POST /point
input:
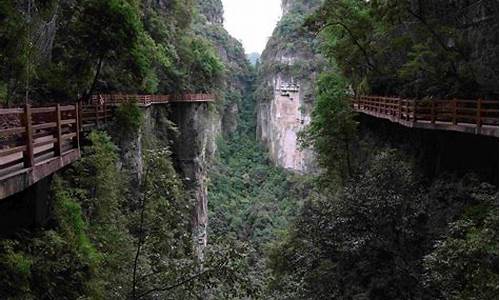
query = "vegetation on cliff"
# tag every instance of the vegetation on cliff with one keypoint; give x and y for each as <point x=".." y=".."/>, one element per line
<point x="413" y="48"/>
<point x="60" y="50"/>
<point x="114" y="235"/>
<point x="370" y="225"/>
<point x="380" y="228"/>
<point x="291" y="52"/>
<point x="237" y="70"/>
<point x="251" y="201"/>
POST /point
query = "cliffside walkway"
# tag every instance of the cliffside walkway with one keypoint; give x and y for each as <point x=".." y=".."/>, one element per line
<point x="470" y="116"/>
<point x="36" y="142"/>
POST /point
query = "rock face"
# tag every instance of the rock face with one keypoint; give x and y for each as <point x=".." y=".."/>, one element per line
<point x="285" y="92"/>
<point x="198" y="124"/>
<point x="194" y="149"/>
<point x="478" y="24"/>
<point x="209" y="24"/>
<point x="279" y="123"/>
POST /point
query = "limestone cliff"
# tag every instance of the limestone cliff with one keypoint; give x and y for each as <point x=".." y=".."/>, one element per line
<point x="197" y="125"/>
<point x="285" y="93"/>
<point x="209" y="24"/>
<point x="190" y="131"/>
<point x="194" y="148"/>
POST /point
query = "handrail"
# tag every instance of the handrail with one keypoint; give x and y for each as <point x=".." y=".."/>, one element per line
<point x="37" y="141"/>
<point x="114" y="99"/>
<point x="30" y="127"/>
<point x="438" y="113"/>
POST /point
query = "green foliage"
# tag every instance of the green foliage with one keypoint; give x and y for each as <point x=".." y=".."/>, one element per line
<point x="247" y="197"/>
<point x="203" y="64"/>
<point x="384" y="235"/>
<point x="129" y="117"/>
<point x="250" y="204"/>
<point x="33" y="264"/>
<point x="69" y="217"/>
<point x="364" y="241"/>
<point x="464" y="264"/>
<point x="16" y="269"/>
<point x="406" y="48"/>
<point x="332" y="129"/>
<point x="69" y="49"/>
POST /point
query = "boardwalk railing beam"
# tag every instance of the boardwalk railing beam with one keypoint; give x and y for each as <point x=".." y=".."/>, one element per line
<point x="474" y="116"/>
<point x="478" y="113"/>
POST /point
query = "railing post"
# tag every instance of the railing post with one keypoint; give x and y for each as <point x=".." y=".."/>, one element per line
<point x="58" y="144"/>
<point x="30" y="157"/>
<point x="454" y="111"/>
<point x="400" y="110"/>
<point x="104" y="110"/>
<point x="414" y="110"/>
<point x="478" y="113"/>
<point x="78" y="114"/>
<point x="77" y="124"/>
<point x="433" y="111"/>
<point x="97" y="114"/>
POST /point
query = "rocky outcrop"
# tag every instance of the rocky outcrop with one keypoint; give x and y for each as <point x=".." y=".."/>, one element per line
<point x="212" y="10"/>
<point x="194" y="149"/>
<point x="476" y="23"/>
<point x="280" y="122"/>
<point x="285" y="93"/>
<point x="190" y="131"/>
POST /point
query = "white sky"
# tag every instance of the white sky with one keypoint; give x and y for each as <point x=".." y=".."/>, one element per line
<point x="251" y="21"/>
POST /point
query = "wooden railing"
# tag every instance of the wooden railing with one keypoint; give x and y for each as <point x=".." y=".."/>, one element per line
<point x="146" y="100"/>
<point x="474" y="116"/>
<point x="37" y="141"/>
<point x="95" y="114"/>
<point x="38" y="134"/>
<point x="100" y="108"/>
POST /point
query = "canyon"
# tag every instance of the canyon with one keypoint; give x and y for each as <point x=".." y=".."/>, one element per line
<point x="295" y="181"/>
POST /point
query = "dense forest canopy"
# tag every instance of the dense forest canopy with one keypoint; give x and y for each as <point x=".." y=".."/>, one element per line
<point x="381" y="228"/>
<point x="114" y="233"/>
<point x="63" y="50"/>
<point x="369" y="223"/>
<point x="413" y="48"/>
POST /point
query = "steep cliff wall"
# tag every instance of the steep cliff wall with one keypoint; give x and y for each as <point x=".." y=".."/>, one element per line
<point x="190" y="131"/>
<point x="196" y="125"/>
<point x="477" y="34"/>
<point x="285" y="93"/>
<point x="194" y="149"/>
<point x="238" y="74"/>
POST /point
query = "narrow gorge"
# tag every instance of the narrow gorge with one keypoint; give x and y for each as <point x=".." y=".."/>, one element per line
<point x="157" y="149"/>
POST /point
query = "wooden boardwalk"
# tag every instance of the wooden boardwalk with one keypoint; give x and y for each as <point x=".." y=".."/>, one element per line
<point x="470" y="116"/>
<point x="35" y="142"/>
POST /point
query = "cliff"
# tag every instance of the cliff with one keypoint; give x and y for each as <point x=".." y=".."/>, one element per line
<point x="285" y="93"/>
<point x="194" y="149"/>
<point x="238" y="72"/>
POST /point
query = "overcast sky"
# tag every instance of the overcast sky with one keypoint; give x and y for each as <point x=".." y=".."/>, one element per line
<point x="251" y="21"/>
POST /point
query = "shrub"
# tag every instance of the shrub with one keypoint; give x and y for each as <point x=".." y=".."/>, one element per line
<point x="129" y="117"/>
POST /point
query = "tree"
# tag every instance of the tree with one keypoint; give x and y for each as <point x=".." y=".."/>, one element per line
<point x="363" y="242"/>
<point x="464" y="262"/>
<point x="409" y="48"/>
<point x="332" y="129"/>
